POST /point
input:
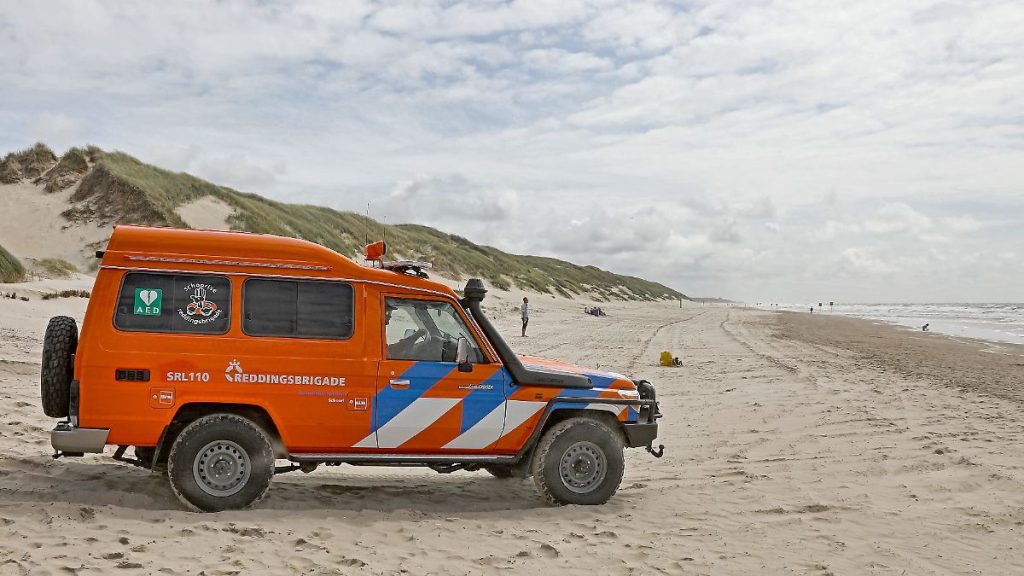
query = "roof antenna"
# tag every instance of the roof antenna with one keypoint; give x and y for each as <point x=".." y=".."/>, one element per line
<point x="374" y="253"/>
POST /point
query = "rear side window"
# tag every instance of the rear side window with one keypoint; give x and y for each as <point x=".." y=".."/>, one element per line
<point x="176" y="303"/>
<point x="297" y="309"/>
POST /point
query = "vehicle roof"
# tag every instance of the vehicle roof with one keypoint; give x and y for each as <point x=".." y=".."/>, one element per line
<point x="158" y="248"/>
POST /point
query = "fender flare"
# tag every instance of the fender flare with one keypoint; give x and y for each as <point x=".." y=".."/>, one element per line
<point x="568" y="403"/>
<point x="264" y="418"/>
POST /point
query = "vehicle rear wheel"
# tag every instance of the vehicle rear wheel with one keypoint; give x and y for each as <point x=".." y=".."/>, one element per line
<point x="579" y="461"/>
<point x="221" y="462"/>
<point x="59" y="345"/>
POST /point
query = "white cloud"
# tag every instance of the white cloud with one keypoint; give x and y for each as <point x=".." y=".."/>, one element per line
<point x="963" y="224"/>
<point x="451" y="200"/>
<point x="748" y="148"/>
<point x="832" y="229"/>
<point x="238" y="170"/>
<point x="859" y="260"/>
<point x="898" y="218"/>
<point x="59" y="130"/>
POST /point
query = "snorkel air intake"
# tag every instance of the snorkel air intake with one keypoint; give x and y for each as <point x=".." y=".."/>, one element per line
<point x="473" y="295"/>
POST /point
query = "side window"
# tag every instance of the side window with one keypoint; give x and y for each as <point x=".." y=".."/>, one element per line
<point x="176" y="303"/>
<point x="426" y="331"/>
<point x="297" y="308"/>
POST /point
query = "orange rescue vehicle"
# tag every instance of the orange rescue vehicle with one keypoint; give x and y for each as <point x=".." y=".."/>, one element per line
<point x="213" y="355"/>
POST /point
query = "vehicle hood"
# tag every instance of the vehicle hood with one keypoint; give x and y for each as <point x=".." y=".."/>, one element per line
<point x="599" y="378"/>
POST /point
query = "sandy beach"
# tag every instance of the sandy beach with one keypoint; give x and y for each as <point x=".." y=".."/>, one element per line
<point x="793" y="445"/>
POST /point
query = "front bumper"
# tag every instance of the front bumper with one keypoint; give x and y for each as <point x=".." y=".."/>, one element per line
<point x="70" y="440"/>
<point x="645" y="430"/>
<point x="640" y="434"/>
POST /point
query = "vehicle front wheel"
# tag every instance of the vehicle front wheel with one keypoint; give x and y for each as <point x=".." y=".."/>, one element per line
<point x="579" y="461"/>
<point x="221" y="462"/>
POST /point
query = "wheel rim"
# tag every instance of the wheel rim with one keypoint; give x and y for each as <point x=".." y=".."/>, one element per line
<point x="221" y="468"/>
<point x="583" y="467"/>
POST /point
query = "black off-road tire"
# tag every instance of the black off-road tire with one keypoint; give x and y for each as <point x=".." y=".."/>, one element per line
<point x="592" y="441"/>
<point x="59" y="345"/>
<point x="499" y="470"/>
<point x="232" y="438"/>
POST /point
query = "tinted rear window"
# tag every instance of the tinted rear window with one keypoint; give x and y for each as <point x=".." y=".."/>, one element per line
<point x="297" y="309"/>
<point x="177" y="303"/>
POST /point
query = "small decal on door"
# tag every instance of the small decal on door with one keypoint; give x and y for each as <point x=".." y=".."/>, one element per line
<point x="358" y="404"/>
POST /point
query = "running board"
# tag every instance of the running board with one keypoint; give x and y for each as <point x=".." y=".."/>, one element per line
<point x="399" y="459"/>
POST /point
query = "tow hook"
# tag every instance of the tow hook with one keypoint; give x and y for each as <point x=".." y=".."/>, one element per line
<point x="656" y="453"/>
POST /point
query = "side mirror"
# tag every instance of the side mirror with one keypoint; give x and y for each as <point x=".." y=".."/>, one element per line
<point x="462" y="356"/>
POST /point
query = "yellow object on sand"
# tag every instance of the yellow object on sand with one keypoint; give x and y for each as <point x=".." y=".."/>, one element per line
<point x="666" y="359"/>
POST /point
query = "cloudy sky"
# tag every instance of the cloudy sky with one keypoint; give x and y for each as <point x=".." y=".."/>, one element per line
<point x="764" y="150"/>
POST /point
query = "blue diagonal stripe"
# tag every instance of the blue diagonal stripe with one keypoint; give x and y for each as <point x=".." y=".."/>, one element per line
<point x="389" y="402"/>
<point x="632" y="414"/>
<point x="480" y="403"/>
<point x="580" y="392"/>
<point x="600" y="380"/>
<point x="597" y="379"/>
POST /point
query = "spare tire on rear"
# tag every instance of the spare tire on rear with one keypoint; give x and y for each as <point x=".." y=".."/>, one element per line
<point x="59" y="347"/>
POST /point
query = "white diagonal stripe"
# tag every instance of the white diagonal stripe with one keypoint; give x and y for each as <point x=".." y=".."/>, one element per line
<point x="616" y="409"/>
<point x="483" y="433"/>
<point x="413" y="420"/>
<point x="368" y="442"/>
<point x="519" y="411"/>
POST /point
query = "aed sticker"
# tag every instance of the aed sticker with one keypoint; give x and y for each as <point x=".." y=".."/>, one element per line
<point x="148" y="301"/>
<point x="202" y="309"/>
<point x="358" y="404"/>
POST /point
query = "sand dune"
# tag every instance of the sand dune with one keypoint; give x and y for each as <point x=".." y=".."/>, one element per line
<point x="784" y="456"/>
<point x="34" y="228"/>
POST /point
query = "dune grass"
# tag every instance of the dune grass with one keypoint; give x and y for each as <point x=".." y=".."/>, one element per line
<point x="26" y="164"/>
<point x="11" y="269"/>
<point x="72" y="166"/>
<point x="57" y="267"/>
<point x="121" y="189"/>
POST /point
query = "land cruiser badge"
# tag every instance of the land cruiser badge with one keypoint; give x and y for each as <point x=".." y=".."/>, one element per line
<point x="200" y="310"/>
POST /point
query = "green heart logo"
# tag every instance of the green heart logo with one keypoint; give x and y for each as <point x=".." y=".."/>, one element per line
<point x="148" y="301"/>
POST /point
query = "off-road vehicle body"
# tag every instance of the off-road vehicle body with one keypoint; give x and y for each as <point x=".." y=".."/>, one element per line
<point x="214" y="354"/>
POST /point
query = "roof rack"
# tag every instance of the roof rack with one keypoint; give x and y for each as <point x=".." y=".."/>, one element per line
<point x="410" y="267"/>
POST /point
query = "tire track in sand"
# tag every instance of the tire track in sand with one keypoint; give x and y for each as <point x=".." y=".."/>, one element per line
<point x="635" y="363"/>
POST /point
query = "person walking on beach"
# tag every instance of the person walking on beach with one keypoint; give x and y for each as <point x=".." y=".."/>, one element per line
<point x="526" y="314"/>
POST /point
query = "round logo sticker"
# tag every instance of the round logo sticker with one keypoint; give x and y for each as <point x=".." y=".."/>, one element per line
<point x="201" y="309"/>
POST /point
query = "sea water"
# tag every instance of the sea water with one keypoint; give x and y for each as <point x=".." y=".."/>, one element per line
<point x="995" y="322"/>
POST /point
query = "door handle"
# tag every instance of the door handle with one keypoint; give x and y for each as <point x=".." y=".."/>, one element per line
<point x="400" y="384"/>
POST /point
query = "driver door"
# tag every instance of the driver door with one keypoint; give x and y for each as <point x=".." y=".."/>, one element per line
<point x="424" y="403"/>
